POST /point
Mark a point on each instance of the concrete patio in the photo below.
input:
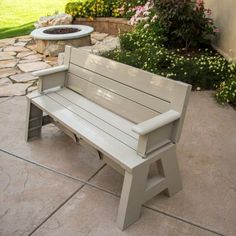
(52, 186)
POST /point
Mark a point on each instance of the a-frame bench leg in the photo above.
(169, 168)
(132, 196)
(138, 188)
(34, 121)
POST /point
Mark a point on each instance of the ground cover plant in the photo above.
(226, 92)
(18, 16)
(203, 68)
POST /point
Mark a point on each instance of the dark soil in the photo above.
(61, 31)
(233, 104)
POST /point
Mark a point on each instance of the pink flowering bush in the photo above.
(141, 13)
(187, 23)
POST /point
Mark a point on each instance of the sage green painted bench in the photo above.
(130, 118)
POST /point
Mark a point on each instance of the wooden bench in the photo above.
(130, 118)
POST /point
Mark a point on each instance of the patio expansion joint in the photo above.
(64, 202)
(183, 220)
(88, 183)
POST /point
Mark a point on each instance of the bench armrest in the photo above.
(50, 71)
(156, 132)
(156, 122)
(51, 78)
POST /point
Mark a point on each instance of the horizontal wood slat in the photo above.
(121, 89)
(95, 121)
(155, 85)
(113, 102)
(100, 112)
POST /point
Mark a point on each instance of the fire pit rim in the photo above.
(84, 30)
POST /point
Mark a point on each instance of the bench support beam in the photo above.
(34, 121)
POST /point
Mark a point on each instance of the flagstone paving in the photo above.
(18, 58)
(17, 89)
(23, 77)
(7, 72)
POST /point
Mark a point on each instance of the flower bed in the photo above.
(203, 68)
(102, 8)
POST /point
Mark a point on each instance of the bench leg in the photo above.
(132, 197)
(138, 187)
(169, 168)
(34, 121)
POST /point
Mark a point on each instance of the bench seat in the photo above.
(107, 131)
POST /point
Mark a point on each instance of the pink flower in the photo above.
(208, 12)
(199, 4)
(216, 30)
(141, 12)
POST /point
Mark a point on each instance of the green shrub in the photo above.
(186, 22)
(226, 93)
(201, 68)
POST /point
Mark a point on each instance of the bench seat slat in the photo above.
(112, 101)
(119, 88)
(100, 112)
(110, 146)
(94, 120)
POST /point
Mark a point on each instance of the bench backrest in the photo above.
(129, 92)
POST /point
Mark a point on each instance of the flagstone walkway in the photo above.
(18, 58)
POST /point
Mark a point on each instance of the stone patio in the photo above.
(18, 58)
(52, 186)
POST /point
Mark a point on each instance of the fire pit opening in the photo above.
(61, 30)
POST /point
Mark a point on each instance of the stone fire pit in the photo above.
(51, 40)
